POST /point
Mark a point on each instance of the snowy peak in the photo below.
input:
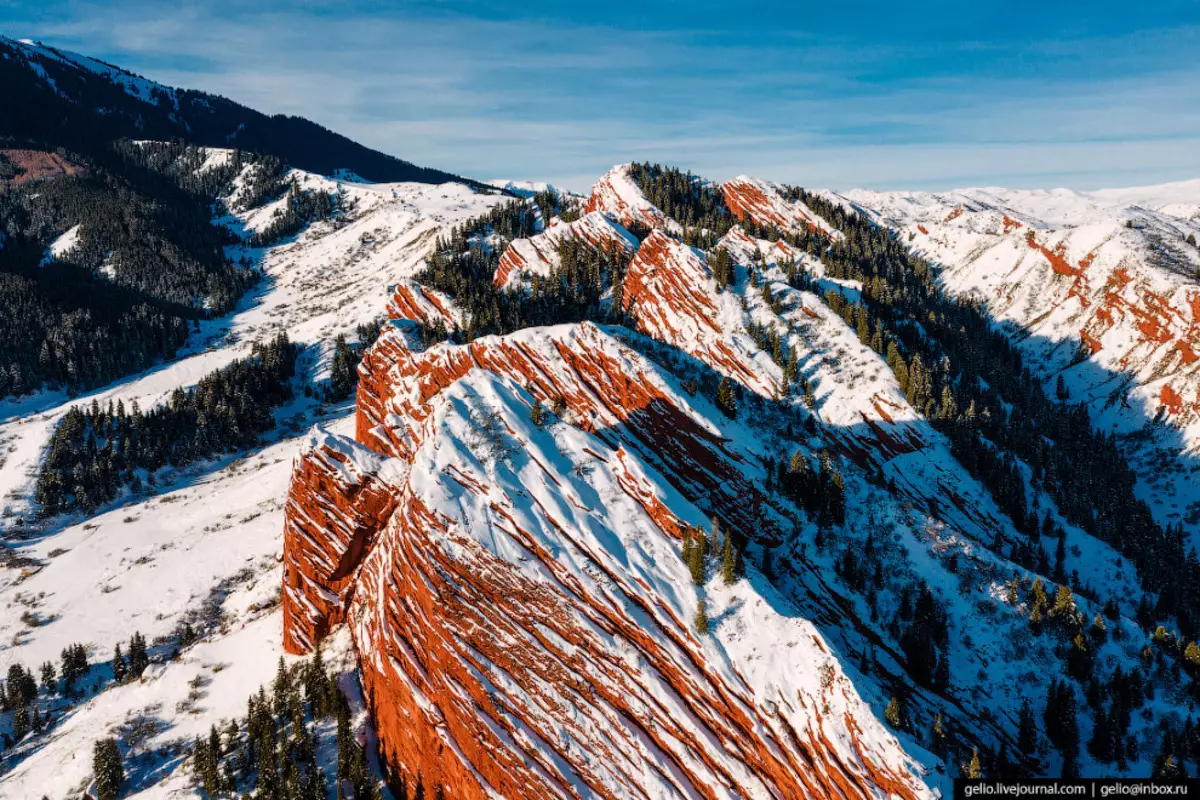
(37, 56)
(764, 203)
(617, 195)
(671, 293)
(539, 255)
(523, 608)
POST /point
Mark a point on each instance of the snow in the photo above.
(1126, 276)
(213, 532)
(550, 484)
(62, 245)
(136, 86)
(204, 548)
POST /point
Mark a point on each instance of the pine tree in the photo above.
(701, 618)
(108, 769)
(894, 713)
(1192, 654)
(1060, 390)
(118, 665)
(1027, 734)
(696, 555)
(138, 658)
(726, 399)
(1060, 561)
(973, 770)
(729, 562)
(49, 678)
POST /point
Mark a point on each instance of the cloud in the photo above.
(543, 97)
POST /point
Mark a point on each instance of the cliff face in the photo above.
(517, 597)
(539, 255)
(619, 198)
(670, 293)
(764, 203)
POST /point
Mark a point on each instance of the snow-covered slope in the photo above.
(539, 255)
(1099, 288)
(495, 542)
(538, 568)
(201, 547)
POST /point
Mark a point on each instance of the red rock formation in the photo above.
(36, 165)
(618, 197)
(414, 302)
(539, 255)
(670, 293)
(765, 205)
(519, 637)
(579, 366)
(336, 504)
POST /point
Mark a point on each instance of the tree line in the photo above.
(95, 452)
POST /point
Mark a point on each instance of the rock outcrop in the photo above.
(618, 196)
(764, 203)
(539, 255)
(670, 293)
(412, 301)
(517, 599)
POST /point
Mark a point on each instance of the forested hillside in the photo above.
(107, 268)
(54, 96)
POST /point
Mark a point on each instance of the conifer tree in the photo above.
(49, 678)
(138, 659)
(701, 618)
(726, 399)
(108, 769)
(729, 562)
(973, 770)
(696, 555)
(119, 668)
(894, 713)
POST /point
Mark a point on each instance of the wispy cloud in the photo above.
(889, 101)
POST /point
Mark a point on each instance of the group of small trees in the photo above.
(820, 491)
(131, 666)
(272, 752)
(96, 451)
(698, 547)
(20, 691)
(343, 372)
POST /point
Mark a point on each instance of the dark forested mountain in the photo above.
(108, 251)
(108, 261)
(55, 96)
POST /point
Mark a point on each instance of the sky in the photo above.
(882, 95)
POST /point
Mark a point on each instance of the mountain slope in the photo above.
(772, 411)
(1098, 290)
(74, 101)
(538, 571)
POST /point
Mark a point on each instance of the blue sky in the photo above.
(920, 95)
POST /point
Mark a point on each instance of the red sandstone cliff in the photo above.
(539, 255)
(517, 598)
(618, 197)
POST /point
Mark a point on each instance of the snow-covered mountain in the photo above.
(1100, 289)
(54, 95)
(721, 494)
